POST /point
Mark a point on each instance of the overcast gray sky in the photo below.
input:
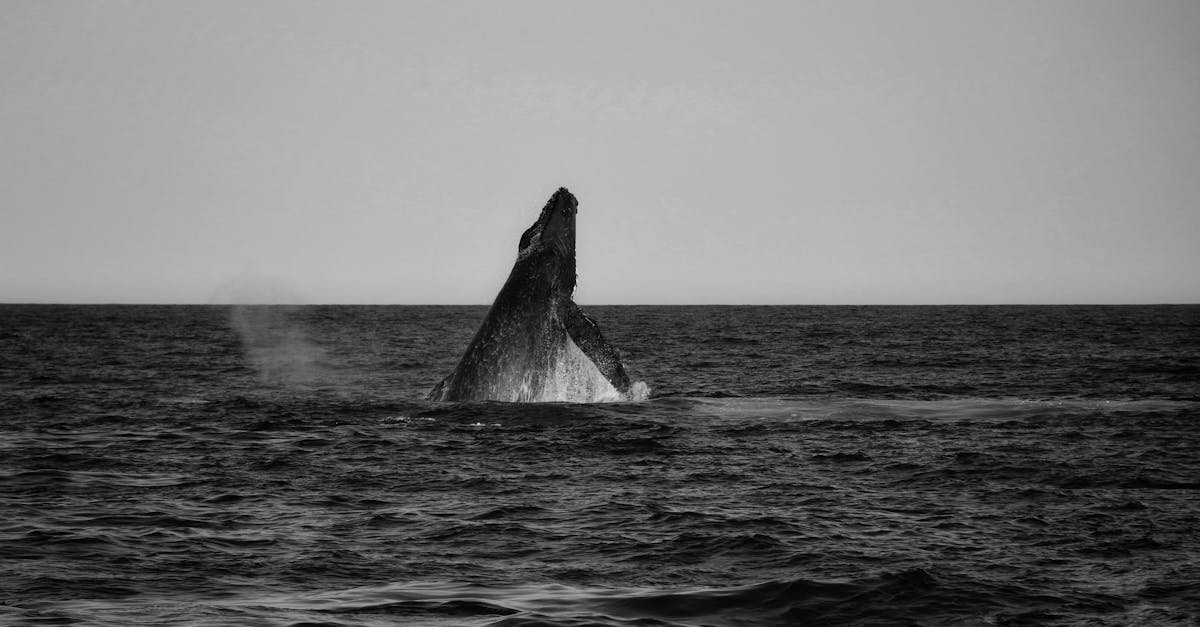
(722, 152)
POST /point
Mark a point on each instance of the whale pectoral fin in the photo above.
(586, 334)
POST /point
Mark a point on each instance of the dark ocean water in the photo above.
(794, 465)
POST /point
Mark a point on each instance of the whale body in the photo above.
(535, 343)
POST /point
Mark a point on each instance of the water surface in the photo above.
(795, 465)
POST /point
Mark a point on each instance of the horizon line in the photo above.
(366, 304)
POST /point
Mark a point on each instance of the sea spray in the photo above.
(277, 347)
(638, 391)
(276, 344)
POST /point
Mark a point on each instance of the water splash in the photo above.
(638, 392)
(574, 378)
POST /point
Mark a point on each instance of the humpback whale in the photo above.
(535, 343)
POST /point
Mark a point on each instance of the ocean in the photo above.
(279, 466)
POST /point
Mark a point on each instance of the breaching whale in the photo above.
(535, 343)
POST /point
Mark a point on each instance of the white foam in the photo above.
(576, 379)
(565, 375)
(638, 391)
(573, 378)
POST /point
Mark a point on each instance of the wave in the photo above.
(910, 595)
(975, 409)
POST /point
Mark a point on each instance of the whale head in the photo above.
(547, 248)
(554, 231)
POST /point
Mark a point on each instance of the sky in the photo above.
(843, 152)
